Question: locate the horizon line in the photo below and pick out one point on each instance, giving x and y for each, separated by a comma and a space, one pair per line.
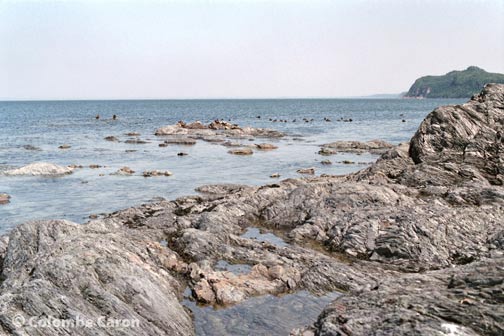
372, 96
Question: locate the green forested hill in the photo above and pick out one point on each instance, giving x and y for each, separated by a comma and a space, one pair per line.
455, 84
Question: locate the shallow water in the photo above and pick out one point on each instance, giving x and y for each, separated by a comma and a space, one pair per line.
263, 315
256, 234
92, 191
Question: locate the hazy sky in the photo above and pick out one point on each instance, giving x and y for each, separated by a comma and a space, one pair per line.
211, 49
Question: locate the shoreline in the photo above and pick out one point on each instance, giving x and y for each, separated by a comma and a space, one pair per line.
428, 216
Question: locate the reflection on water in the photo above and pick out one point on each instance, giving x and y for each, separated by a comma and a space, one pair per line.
264, 315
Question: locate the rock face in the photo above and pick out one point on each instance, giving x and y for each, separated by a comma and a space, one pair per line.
415, 242
40, 168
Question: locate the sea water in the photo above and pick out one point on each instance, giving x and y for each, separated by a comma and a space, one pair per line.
49, 124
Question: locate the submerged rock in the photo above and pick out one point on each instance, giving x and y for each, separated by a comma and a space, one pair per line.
32, 148
40, 168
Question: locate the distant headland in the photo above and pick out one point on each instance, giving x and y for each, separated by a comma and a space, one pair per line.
454, 84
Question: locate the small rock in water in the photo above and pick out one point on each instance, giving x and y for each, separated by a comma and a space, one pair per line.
182, 154
94, 166
309, 171
157, 173
241, 151
93, 216
136, 141
266, 146
111, 138
31, 147
130, 150
4, 198
65, 146
74, 166
124, 171
326, 151
326, 162
347, 162
163, 145
133, 134
275, 175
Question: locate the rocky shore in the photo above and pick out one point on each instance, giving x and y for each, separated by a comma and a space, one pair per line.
414, 243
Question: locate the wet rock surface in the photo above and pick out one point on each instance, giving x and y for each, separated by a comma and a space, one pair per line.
414, 244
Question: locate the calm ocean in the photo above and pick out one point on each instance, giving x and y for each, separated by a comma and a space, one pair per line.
47, 125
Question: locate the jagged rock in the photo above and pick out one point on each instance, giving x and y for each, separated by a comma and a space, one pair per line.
40, 168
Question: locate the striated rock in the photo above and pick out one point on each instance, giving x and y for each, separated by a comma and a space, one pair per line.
241, 151
4, 198
97, 272
40, 168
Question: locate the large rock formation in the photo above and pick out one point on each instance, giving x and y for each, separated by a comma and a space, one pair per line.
415, 242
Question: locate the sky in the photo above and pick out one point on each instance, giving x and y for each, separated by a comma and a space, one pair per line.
239, 49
